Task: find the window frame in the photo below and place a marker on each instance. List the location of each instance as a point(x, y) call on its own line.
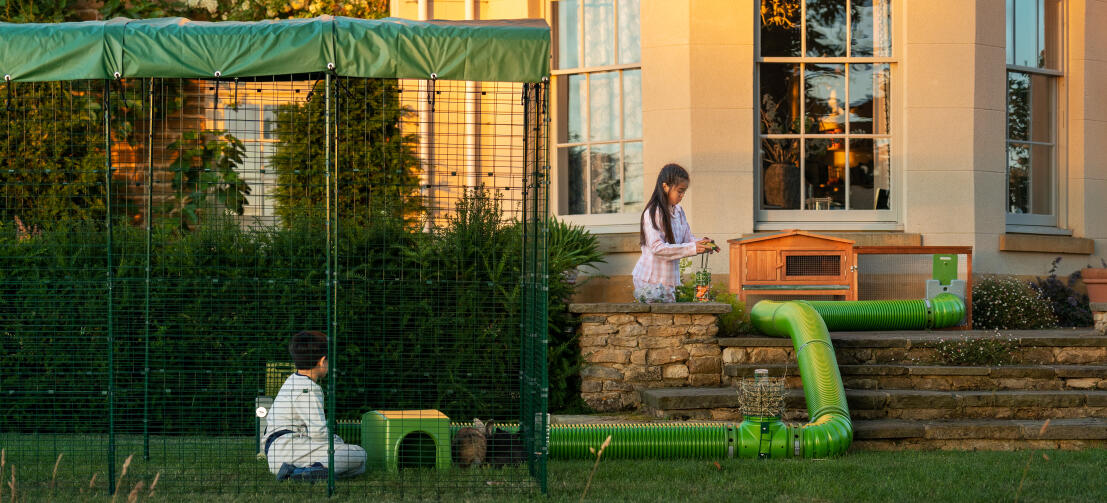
point(890, 219)
point(603, 222)
point(1028, 222)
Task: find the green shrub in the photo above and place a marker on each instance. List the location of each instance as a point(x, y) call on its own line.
point(1072, 308)
point(422, 319)
point(1005, 303)
point(997, 350)
point(571, 247)
point(737, 320)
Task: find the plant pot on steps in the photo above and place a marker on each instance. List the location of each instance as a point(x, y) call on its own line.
point(1095, 278)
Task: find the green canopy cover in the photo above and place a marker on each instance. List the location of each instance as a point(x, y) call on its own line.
point(491, 51)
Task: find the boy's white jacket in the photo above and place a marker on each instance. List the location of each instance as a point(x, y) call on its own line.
point(298, 407)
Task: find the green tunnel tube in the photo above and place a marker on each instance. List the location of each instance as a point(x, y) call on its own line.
point(830, 430)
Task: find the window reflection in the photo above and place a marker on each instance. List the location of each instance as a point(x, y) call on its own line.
point(574, 163)
point(632, 104)
point(824, 178)
point(824, 98)
point(633, 191)
point(869, 165)
point(826, 28)
point(568, 34)
point(606, 183)
point(870, 28)
point(599, 27)
point(578, 108)
point(629, 40)
point(869, 89)
point(603, 97)
point(780, 27)
point(780, 98)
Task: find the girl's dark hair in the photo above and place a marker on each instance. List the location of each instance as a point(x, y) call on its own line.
point(307, 348)
point(671, 175)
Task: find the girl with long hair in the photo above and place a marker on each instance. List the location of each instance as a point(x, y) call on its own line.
point(665, 238)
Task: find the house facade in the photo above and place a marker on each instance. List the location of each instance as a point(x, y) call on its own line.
point(889, 122)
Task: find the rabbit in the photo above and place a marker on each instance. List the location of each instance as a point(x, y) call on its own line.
point(504, 448)
point(470, 445)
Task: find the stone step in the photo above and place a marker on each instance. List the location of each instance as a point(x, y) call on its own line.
point(941, 377)
point(982, 434)
point(724, 404)
point(1039, 347)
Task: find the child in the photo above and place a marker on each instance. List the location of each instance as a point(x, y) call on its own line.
point(665, 238)
point(296, 432)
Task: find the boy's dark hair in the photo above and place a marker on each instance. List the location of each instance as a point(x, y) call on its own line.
point(307, 348)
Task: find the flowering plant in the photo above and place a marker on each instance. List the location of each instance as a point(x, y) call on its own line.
point(1006, 303)
point(992, 351)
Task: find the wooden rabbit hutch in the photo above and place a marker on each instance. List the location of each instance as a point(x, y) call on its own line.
point(793, 263)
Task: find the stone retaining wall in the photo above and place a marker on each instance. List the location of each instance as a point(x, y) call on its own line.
point(634, 346)
point(1099, 314)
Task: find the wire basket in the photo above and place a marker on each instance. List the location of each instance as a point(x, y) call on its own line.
point(761, 395)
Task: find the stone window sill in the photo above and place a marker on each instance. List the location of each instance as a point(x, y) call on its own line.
point(1045, 243)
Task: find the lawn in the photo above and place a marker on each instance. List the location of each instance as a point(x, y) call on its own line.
point(225, 470)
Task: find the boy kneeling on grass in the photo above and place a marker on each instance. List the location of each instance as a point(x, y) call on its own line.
point(295, 437)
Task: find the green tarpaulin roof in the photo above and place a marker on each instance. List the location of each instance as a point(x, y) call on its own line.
point(499, 51)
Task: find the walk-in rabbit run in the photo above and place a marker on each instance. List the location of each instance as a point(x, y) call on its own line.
point(177, 199)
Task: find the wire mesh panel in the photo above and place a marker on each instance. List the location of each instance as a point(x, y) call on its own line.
point(56, 326)
point(148, 308)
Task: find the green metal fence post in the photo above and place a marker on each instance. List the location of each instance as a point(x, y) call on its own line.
point(110, 327)
point(146, 304)
point(329, 227)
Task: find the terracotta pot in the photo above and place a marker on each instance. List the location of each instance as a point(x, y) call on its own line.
point(1095, 278)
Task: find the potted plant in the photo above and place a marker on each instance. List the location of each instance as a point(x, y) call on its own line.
point(1095, 278)
point(780, 181)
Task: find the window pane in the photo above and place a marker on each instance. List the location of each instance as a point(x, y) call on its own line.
point(1041, 108)
point(869, 91)
point(869, 173)
point(599, 28)
point(578, 190)
point(244, 122)
point(824, 174)
point(871, 28)
point(1018, 178)
point(1049, 41)
point(780, 27)
point(603, 96)
point(826, 28)
point(568, 33)
point(630, 41)
point(577, 108)
point(1018, 106)
point(632, 104)
point(779, 98)
point(1041, 179)
point(633, 192)
point(1010, 32)
point(1026, 33)
point(606, 186)
point(824, 98)
point(270, 112)
point(780, 183)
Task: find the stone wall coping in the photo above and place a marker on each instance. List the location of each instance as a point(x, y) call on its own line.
point(1099, 307)
point(665, 308)
point(610, 307)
